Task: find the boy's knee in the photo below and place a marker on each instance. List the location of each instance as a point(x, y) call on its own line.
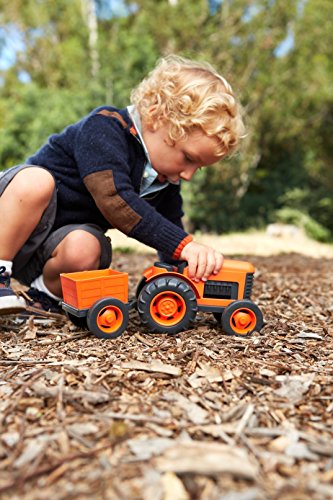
point(80, 250)
point(34, 183)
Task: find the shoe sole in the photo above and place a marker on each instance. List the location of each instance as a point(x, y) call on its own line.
point(12, 305)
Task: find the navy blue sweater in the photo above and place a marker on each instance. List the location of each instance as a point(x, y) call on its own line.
point(98, 165)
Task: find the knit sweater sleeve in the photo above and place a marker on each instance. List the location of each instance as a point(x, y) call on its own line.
point(103, 158)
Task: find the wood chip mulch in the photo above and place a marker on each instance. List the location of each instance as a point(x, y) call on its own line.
point(199, 415)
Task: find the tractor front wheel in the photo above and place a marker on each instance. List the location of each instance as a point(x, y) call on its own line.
point(242, 318)
point(167, 305)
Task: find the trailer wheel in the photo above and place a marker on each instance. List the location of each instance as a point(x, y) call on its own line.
point(80, 322)
point(242, 318)
point(107, 318)
point(167, 305)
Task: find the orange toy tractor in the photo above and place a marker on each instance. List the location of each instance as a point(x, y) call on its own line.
point(167, 300)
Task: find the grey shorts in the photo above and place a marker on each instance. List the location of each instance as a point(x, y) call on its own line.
point(29, 261)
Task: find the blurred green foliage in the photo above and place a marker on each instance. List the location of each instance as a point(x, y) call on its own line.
point(70, 60)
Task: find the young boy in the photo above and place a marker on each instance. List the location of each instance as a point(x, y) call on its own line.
point(116, 168)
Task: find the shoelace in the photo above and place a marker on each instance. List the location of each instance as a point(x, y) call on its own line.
point(4, 278)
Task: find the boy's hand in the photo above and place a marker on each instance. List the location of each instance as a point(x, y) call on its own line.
point(202, 260)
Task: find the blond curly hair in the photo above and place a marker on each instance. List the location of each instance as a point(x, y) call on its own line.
point(189, 95)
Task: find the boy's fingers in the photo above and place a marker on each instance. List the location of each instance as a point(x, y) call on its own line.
point(202, 261)
point(210, 265)
point(218, 262)
point(192, 266)
point(202, 264)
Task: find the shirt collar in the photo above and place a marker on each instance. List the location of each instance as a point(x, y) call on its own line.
point(134, 114)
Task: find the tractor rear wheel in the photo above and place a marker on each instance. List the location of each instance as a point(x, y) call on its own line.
point(242, 318)
point(167, 305)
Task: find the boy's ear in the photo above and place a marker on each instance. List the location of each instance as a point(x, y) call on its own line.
point(153, 122)
point(150, 124)
point(152, 109)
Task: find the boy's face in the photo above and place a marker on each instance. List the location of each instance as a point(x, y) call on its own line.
point(182, 160)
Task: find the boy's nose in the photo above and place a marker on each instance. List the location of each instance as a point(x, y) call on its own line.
point(187, 174)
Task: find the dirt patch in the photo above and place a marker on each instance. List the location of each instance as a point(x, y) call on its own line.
point(198, 415)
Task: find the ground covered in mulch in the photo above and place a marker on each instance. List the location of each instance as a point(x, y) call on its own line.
point(199, 415)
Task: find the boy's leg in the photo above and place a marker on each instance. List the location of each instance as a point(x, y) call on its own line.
point(75, 247)
point(78, 251)
point(25, 192)
point(22, 205)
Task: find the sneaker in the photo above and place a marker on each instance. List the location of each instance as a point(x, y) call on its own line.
point(10, 302)
point(40, 303)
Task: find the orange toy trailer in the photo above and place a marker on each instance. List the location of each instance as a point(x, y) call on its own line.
point(167, 300)
point(97, 299)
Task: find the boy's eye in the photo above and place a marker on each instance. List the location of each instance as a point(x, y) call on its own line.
point(188, 159)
